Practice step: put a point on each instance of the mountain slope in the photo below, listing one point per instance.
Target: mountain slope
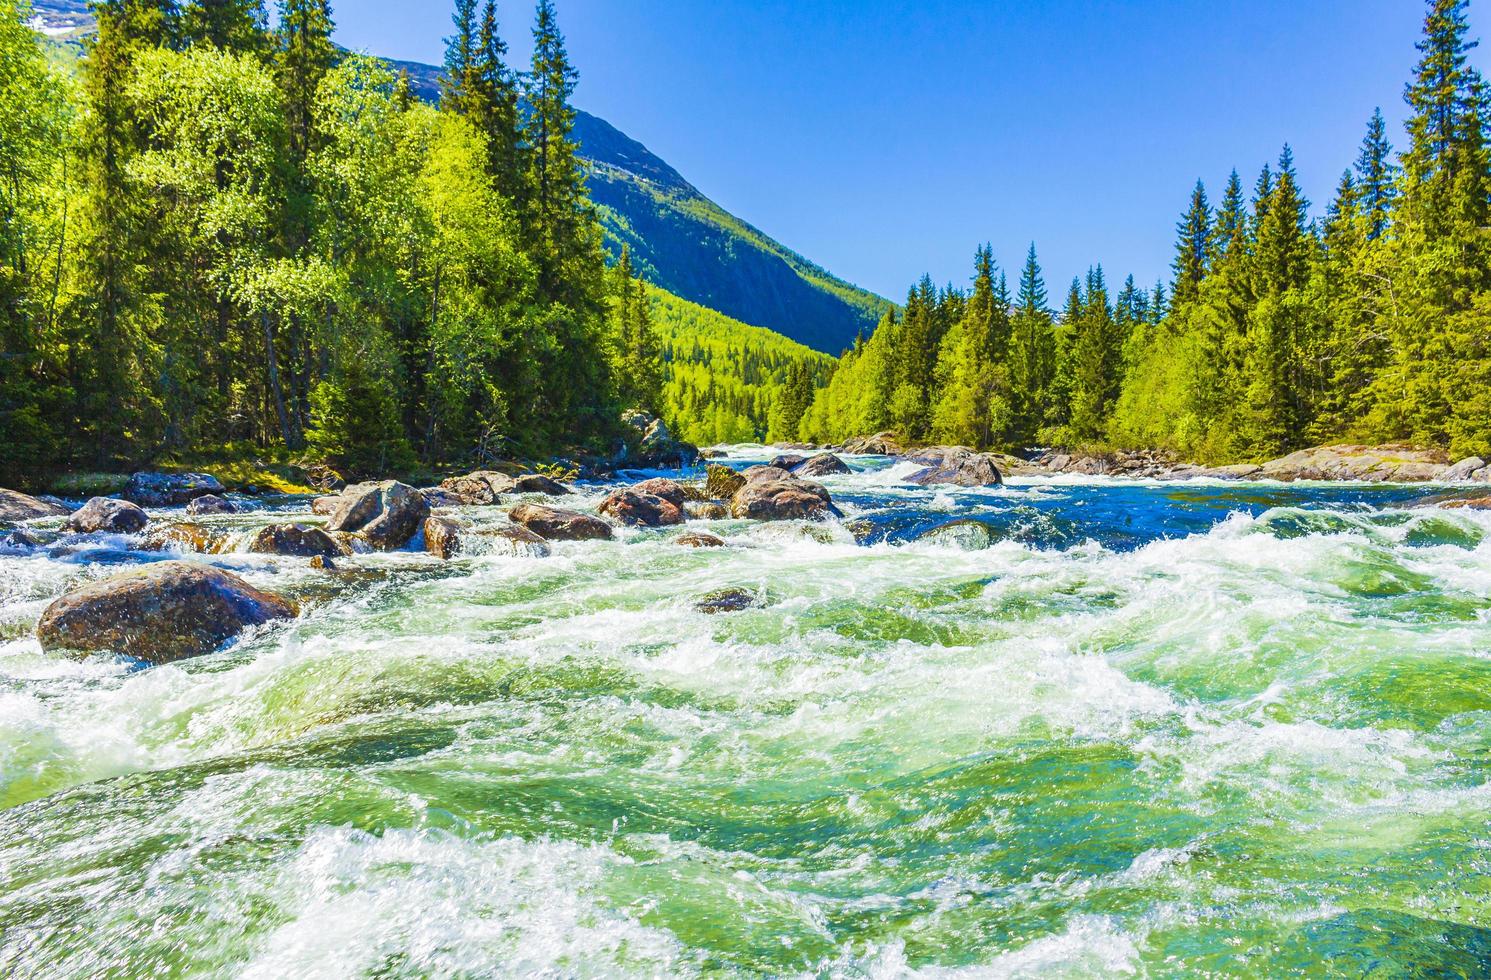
(680, 239)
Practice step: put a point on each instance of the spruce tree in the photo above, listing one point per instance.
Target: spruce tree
(460, 87)
(240, 26)
(499, 100)
(1376, 177)
(1032, 352)
(1193, 248)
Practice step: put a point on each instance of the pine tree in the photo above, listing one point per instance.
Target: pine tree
(1193, 248)
(1232, 220)
(1376, 177)
(1096, 355)
(556, 186)
(1032, 354)
(240, 26)
(499, 100)
(460, 86)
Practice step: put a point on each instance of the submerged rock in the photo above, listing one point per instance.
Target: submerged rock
(16, 508)
(447, 538)
(824, 464)
(721, 482)
(160, 614)
(698, 539)
(955, 466)
(728, 601)
(783, 500)
(641, 509)
(387, 514)
(706, 510)
(18, 541)
(967, 535)
(177, 536)
(553, 524)
(108, 515)
(295, 541)
(211, 505)
(170, 489)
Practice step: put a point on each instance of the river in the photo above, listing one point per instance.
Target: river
(1124, 729)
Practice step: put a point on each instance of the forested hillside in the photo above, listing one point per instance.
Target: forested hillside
(1371, 322)
(220, 234)
(679, 239)
(729, 382)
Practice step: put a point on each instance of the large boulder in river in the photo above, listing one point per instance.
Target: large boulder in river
(387, 514)
(672, 491)
(954, 466)
(641, 509)
(447, 537)
(824, 464)
(440, 498)
(721, 482)
(108, 515)
(170, 489)
(160, 614)
(880, 444)
(534, 483)
(1472, 470)
(1373, 464)
(295, 541)
(788, 461)
(483, 488)
(210, 506)
(553, 524)
(764, 474)
(699, 539)
(16, 508)
(783, 500)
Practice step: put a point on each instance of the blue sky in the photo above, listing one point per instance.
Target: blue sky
(887, 138)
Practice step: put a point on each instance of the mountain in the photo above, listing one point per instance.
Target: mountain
(680, 240)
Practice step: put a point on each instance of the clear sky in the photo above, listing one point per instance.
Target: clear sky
(887, 138)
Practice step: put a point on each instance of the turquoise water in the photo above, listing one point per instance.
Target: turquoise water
(1149, 730)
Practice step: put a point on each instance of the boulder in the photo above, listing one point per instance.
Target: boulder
(955, 466)
(641, 509)
(325, 506)
(727, 601)
(534, 483)
(672, 491)
(438, 497)
(447, 538)
(170, 489)
(295, 541)
(350, 543)
(706, 510)
(387, 514)
(16, 508)
(175, 536)
(824, 464)
(649, 443)
(880, 444)
(210, 505)
(721, 482)
(107, 514)
(789, 462)
(18, 541)
(783, 500)
(160, 614)
(483, 488)
(1373, 464)
(1464, 471)
(553, 524)
(1237, 471)
(965, 535)
(760, 474)
(698, 539)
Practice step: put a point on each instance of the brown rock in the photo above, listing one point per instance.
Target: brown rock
(387, 514)
(789, 462)
(761, 474)
(107, 514)
(534, 483)
(721, 482)
(483, 488)
(880, 444)
(706, 510)
(698, 539)
(16, 508)
(438, 497)
(448, 538)
(325, 506)
(443, 536)
(294, 540)
(641, 509)
(824, 464)
(1394, 463)
(783, 500)
(160, 614)
(672, 491)
(553, 524)
(183, 537)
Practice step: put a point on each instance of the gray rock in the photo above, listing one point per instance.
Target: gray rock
(728, 601)
(534, 483)
(967, 535)
(16, 508)
(211, 505)
(955, 466)
(880, 444)
(160, 614)
(108, 515)
(789, 461)
(672, 491)
(439, 497)
(295, 541)
(484, 488)
(783, 500)
(387, 514)
(762, 474)
(1464, 471)
(447, 538)
(824, 464)
(170, 489)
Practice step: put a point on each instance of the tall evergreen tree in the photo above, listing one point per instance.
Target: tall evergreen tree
(1193, 248)
(231, 25)
(1376, 177)
(499, 100)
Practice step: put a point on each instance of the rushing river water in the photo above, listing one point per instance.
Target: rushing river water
(1162, 730)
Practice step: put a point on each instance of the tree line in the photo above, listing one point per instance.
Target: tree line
(226, 233)
(1277, 330)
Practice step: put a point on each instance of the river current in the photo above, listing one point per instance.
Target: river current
(1116, 729)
